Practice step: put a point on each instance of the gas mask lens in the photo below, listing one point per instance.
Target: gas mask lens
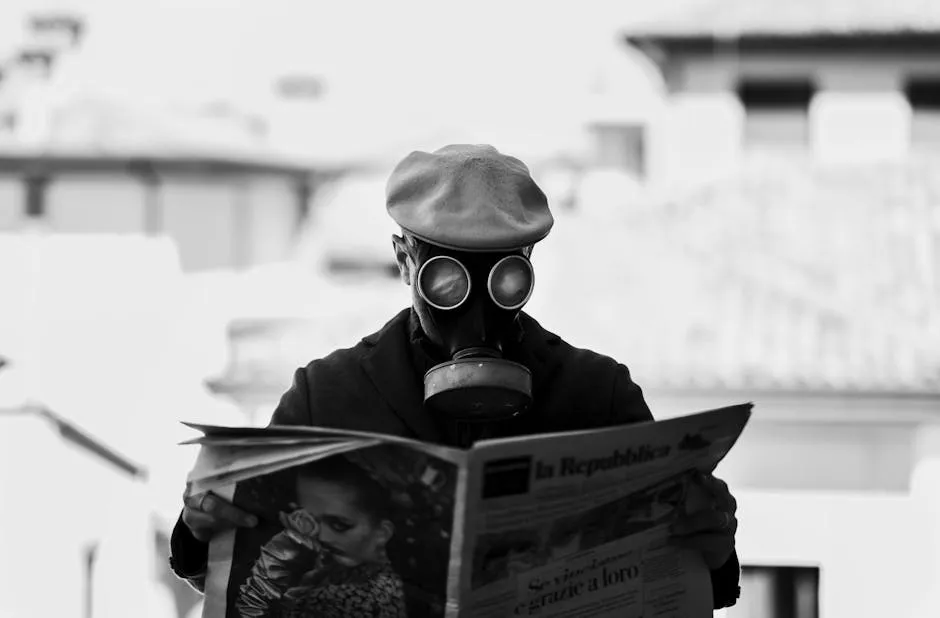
(444, 283)
(511, 282)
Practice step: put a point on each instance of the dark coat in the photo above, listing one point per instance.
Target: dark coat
(375, 386)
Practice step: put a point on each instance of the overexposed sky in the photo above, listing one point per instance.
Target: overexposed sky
(491, 52)
(398, 74)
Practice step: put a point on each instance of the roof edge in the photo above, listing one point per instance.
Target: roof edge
(875, 42)
(914, 396)
(149, 165)
(81, 438)
(837, 406)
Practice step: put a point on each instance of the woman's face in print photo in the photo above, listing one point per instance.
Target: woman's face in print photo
(352, 509)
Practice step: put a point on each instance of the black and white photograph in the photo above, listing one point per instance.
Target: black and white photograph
(456, 223)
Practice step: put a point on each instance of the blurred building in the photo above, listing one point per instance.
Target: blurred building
(105, 355)
(829, 81)
(221, 213)
(74, 520)
(801, 272)
(344, 285)
(82, 158)
(788, 256)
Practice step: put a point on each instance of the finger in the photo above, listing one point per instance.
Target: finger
(227, 512)
(705, 521)
(720, 493)
(714, 543)
(202, 525)
(705, 541)
(193, 501)
(698, 521)
(727, 502)
(714, 548)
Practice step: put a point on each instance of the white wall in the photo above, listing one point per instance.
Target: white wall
(847, 126)
(108, 205)
(202, 219)
(57, 501)
(698, 137)
(229, 224)
(824, 456)
(11, 203)
(869, 547)
(848, 484)
(272, 220)
(925, 487)
(216, 224)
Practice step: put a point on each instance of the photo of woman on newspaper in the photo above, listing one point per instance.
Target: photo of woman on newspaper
(331, 558)
(350, 535)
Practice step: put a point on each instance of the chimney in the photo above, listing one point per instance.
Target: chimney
(61, 31)
(851, 127)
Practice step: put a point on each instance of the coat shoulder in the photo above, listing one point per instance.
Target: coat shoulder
(597, 386)
(339, 390)
(585, 359)
(569, 358)
(345, 364)
(338, 364)
(579, 369)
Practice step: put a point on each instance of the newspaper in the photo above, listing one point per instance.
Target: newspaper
(554, 526)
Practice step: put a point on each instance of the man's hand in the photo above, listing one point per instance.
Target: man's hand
(206, 515)
(708, 524)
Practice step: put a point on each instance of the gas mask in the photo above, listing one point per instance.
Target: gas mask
(473, 302)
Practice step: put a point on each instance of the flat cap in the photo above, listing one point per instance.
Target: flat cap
(468, 198)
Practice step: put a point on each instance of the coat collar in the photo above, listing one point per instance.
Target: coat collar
(388, 363)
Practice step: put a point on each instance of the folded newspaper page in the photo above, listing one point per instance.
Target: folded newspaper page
(558, 525)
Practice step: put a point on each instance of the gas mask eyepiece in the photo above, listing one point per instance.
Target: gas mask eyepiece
(445, 283)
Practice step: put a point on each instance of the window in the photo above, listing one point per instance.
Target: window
(777, 113)
(923, 94)
(620, 147)
(36, 196)
(38, 61)
(344, 265)
(777, 592)
(8, 121)
(300, 87)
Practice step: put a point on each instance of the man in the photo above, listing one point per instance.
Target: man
(464, 362)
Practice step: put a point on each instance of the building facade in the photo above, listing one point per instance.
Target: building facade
(220, 213)
(832, 82)
(76, 158)
(806, 242)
